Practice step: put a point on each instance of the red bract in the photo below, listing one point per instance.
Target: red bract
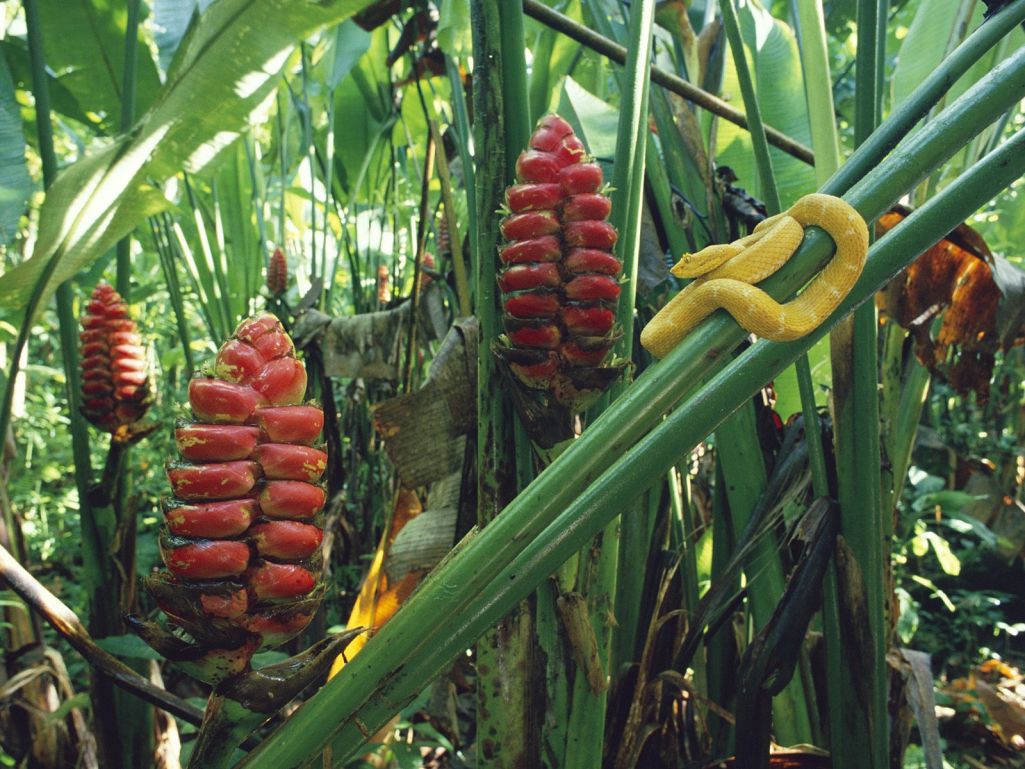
(115, 387)
(559, 274)
(277, 273)
(241, 542)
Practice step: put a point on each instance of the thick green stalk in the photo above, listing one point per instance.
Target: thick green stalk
(856, 434)
(505, 718)
(737, 439)
(628, 175)
(577, 496)
(123, 282)
(587, 710)
(110, 709)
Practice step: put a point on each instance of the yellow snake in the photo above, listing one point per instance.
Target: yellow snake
(727, 273)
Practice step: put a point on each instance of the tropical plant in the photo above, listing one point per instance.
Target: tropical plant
(644, 572)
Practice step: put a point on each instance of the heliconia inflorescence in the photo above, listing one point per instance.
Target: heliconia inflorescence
(558, 272)
(241, 538)
(277, 273)
(115, 385)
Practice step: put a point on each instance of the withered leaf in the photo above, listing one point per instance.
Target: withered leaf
(976, 295)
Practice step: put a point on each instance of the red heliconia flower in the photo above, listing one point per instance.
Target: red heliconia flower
(277, 273)
(558, 277)
(241, 538)
(115, 385)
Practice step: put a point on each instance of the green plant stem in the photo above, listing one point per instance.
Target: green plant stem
(587, 710)
(817, 86)
(860, 705)
(505, 720)
(577, 496)
(123, 282)
(738, 443)
(421, 245)
(464, 134)
(759, 140)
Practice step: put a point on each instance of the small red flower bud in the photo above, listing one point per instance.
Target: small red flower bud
(277, 273)
(115, 387)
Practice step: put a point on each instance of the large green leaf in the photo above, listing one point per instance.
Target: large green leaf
(776, 65)
(225, 69)
(929, 37)
(15, 182)
(85, 47)
(62, 101)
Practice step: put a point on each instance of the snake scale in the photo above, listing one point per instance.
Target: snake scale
(725, 274)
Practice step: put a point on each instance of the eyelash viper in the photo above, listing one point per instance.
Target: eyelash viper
(725, 274)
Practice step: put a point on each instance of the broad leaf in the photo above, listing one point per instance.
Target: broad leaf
(85, 46)
(345, 48)
(62, 101)
(929, 37)
(15, 182)
(224, 70)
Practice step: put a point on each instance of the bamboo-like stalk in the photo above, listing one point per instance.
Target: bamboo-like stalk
(817, 87)
(737, 438)
(576, 496)
(587, 706)
(123, 282)
(103, 597)
(861, 704)
(506, 732)
(421, 245)
(759, 139)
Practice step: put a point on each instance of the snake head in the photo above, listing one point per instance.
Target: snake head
(681, 268)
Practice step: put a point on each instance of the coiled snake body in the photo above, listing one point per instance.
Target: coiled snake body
(725, 274)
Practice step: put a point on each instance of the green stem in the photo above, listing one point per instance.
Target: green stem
(587, 709)
(818, 88)
(505, 722)
(578, 495)
(860, 705)
(123, 282)
(754, 115)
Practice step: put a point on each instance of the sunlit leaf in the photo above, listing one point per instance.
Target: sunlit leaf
(223, 71)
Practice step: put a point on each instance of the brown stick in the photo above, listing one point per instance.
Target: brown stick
(617, 53)
(65, 622)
